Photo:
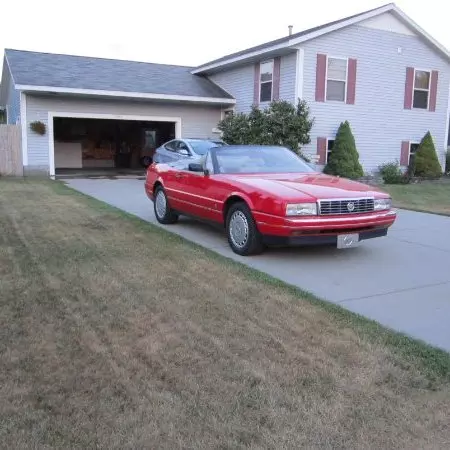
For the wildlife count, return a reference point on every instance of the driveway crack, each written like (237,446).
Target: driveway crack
(395,291)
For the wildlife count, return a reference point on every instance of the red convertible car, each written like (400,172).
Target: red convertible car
(266,195)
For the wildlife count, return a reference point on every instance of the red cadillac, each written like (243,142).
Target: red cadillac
(267,195)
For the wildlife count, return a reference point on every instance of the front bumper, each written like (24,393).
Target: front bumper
(323,229)
(326,239)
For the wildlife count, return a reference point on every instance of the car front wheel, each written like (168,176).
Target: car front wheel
(163,213)
(243,235)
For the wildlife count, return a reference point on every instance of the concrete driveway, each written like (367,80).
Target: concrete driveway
(401,281)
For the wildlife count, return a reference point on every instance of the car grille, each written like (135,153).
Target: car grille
(346,206)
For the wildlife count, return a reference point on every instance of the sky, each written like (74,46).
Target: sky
(188,32)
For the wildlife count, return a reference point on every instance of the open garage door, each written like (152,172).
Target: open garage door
(87,145)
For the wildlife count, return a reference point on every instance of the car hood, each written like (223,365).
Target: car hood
(311,186)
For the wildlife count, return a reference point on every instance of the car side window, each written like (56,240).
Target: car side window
(171,146)
(181,146)
(208,163)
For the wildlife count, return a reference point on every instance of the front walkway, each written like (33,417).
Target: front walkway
(401,281)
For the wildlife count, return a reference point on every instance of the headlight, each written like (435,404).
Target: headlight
(382,203)
(301,209)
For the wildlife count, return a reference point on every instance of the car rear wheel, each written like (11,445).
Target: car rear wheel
(146,161)
(243,235)
(163,213)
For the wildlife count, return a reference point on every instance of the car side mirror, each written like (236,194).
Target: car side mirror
(196,167)
(183,152)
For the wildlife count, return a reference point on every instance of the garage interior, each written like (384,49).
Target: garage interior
(106,145)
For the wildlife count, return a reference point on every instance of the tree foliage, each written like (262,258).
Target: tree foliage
(343,160)
(426,161)
(281,123)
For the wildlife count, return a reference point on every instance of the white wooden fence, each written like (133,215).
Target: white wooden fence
(10,151)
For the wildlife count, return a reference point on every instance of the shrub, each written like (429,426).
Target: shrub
(447,162)
(392,173)
(344,159)
(282,123)
(426,160)
(38,127)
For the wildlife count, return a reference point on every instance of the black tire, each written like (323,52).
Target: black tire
(163,213)
(245,240)
(146,161)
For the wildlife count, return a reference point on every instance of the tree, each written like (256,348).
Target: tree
(343,160)
(281,123)
(426,161)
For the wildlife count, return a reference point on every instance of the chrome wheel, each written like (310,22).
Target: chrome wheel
(160,204)
(238,229)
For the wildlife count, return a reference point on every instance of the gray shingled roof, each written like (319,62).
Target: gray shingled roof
(284,39)
(79,72)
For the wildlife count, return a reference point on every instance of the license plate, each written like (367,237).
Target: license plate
(347,240)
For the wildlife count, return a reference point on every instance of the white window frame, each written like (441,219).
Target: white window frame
(334,79)
(420,89)
(411,143)
(266,82)
(227,111)
(328,151)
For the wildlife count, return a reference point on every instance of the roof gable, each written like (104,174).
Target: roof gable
(388,22)
(69,72)
(291,41)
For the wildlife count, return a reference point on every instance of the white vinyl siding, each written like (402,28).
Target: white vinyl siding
(239,82)
(196,120)
(287,77)
(379,121)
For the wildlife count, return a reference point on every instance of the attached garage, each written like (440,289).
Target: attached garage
(100,113)
(107,143)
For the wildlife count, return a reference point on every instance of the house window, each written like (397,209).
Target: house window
(421,89)
(413,147)
(336,79)
(227,112)
(330,145)
(265,81)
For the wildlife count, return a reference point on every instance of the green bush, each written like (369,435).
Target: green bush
(392,173)
(447,162)
(426,160)
(344,158)
(282,123)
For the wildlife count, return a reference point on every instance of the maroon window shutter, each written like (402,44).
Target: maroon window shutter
(321,73)
(404,155)
(409,84)
(322,150)
(351,82)
(276,78)
(256,85)
(433,90)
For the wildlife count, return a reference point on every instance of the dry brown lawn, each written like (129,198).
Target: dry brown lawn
(116,334)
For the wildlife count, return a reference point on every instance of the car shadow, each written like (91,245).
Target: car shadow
(212,234)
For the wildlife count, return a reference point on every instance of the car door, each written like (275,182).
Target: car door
(199,192)
(182,150)
(166,153)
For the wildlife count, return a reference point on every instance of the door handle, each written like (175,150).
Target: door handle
(178,175)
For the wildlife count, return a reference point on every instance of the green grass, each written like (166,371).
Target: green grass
(426,197)
(115,333)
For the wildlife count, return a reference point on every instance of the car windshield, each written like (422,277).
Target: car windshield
(260,159)
(201,147)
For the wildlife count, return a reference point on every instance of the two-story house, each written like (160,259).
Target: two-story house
(378,69)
